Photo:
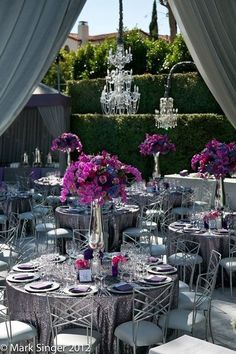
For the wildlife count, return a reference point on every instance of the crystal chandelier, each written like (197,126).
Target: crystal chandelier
(167,116)
(117,97)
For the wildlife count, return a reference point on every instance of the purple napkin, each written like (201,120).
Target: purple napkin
(155,278)
(26,266)
(22,276)
(123,287)
(153,259)
(165,268)
(80,289)
(42,285)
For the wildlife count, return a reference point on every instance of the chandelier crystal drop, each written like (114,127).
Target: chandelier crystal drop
(117,96)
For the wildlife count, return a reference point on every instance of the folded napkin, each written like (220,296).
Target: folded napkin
(155,278)
(165,268)
(123,287)
(153,259)
(80,289)
(22,276)
(42,285)
(26,266)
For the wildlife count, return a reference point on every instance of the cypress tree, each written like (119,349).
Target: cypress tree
(153,27)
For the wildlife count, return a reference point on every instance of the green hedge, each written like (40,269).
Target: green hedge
(122,135)
(189,91)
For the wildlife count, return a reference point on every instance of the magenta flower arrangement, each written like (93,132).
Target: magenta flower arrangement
(67,142)
(117,259)
(98,178)
(211,215)
(217,158)
(156,143)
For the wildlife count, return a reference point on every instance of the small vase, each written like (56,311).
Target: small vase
(114,270)
(96,241)
(156,173)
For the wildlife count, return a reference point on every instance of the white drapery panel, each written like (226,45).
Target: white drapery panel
(56,119)
(209,30)
(31,34)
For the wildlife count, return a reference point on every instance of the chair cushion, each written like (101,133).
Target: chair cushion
(158,250)
(75,337)
(186,301)
(59,233)
(3,266)
(229,263)
(135,231)
(20,331)
(40,210)
(43,227)
(178,259)
(181,319)
(148,333)
(28,215)
(183,286)
(3,219)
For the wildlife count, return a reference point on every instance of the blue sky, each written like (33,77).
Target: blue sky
(103,15)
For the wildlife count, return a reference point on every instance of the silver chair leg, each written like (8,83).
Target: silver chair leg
(117,345)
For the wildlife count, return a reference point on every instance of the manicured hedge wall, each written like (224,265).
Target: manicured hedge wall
(122,135)
(189,91)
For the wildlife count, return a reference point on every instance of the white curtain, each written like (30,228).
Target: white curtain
(209,30)
(31,34)
(56,119)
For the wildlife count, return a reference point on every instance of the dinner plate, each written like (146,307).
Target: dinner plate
(31,277)
(58,259)
(156,270)
(154,262)
(29,267)
(191,229)
(156,283)
(92,290)
(112,289)
(29,288)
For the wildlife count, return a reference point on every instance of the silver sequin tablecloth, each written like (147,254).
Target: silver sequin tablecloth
(109,312)
(114,222)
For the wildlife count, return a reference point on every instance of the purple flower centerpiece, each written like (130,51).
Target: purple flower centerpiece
(217,159)
(67,142)
(96,180)
(155,145)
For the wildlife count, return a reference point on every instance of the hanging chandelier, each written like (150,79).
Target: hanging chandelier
(166,117)
(117,97)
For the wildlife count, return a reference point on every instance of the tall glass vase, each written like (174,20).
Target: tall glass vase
(156,173)
(220,193)
(96,240)
(68,157)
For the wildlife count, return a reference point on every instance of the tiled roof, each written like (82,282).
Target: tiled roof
(101,37)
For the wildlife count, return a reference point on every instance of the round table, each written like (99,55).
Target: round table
(108,312)
(114,221)
(217,240)
(19,203)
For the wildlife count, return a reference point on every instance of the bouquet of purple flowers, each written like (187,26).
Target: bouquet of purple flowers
(156,143)
(101,178)
(218,159)
(67,142)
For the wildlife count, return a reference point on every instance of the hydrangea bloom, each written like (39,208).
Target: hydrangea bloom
(67,142)
(218,159)
(101,178)
(156,143)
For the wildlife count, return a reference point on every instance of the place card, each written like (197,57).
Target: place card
(84,275)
